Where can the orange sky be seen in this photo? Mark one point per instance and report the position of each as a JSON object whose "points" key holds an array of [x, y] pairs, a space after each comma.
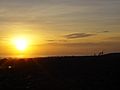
{"points": [[60, 27]]}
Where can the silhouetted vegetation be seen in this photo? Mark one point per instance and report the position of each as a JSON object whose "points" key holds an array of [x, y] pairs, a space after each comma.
{"points": [[61, 73]]}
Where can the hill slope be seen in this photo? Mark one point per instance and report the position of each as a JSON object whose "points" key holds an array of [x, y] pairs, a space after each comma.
{"points": [[61, 73]]}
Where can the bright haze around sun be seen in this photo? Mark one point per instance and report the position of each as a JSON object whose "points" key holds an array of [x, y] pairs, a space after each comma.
{"points": [[21, 44]]}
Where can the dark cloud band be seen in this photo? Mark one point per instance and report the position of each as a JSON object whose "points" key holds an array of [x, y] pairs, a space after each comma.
{"points": [[78, 35]]}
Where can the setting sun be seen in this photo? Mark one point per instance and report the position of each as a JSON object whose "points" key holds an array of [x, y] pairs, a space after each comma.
{"points": [[21, 44]]}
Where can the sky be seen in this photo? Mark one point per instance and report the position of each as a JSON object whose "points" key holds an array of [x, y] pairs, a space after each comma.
{"points": [[60, 27]]}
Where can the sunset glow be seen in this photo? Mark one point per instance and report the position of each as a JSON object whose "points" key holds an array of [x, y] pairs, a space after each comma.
{"points": [[21, 44], [59, 27]]}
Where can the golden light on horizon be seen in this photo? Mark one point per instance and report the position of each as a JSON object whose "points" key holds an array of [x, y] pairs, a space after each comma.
{"points": [[21, 44]]}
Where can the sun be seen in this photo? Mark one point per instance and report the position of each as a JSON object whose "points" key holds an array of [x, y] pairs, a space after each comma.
{"points": [[21, 44]]}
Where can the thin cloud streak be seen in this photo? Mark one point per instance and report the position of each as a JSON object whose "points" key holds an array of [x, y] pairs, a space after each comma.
{"points": [[78, 35]]}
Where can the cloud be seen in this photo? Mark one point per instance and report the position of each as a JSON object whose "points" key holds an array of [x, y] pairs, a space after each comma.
{"points": [[89, 44], [116, 38], [56, 40], [106, 31], [78, 35], [3, 37]]}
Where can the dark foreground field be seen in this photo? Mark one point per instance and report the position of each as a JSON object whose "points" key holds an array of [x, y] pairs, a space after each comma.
{"points": [[61, 73]]}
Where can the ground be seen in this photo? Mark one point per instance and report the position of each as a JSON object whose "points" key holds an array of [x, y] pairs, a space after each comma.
{"points": [[61, 73]]}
